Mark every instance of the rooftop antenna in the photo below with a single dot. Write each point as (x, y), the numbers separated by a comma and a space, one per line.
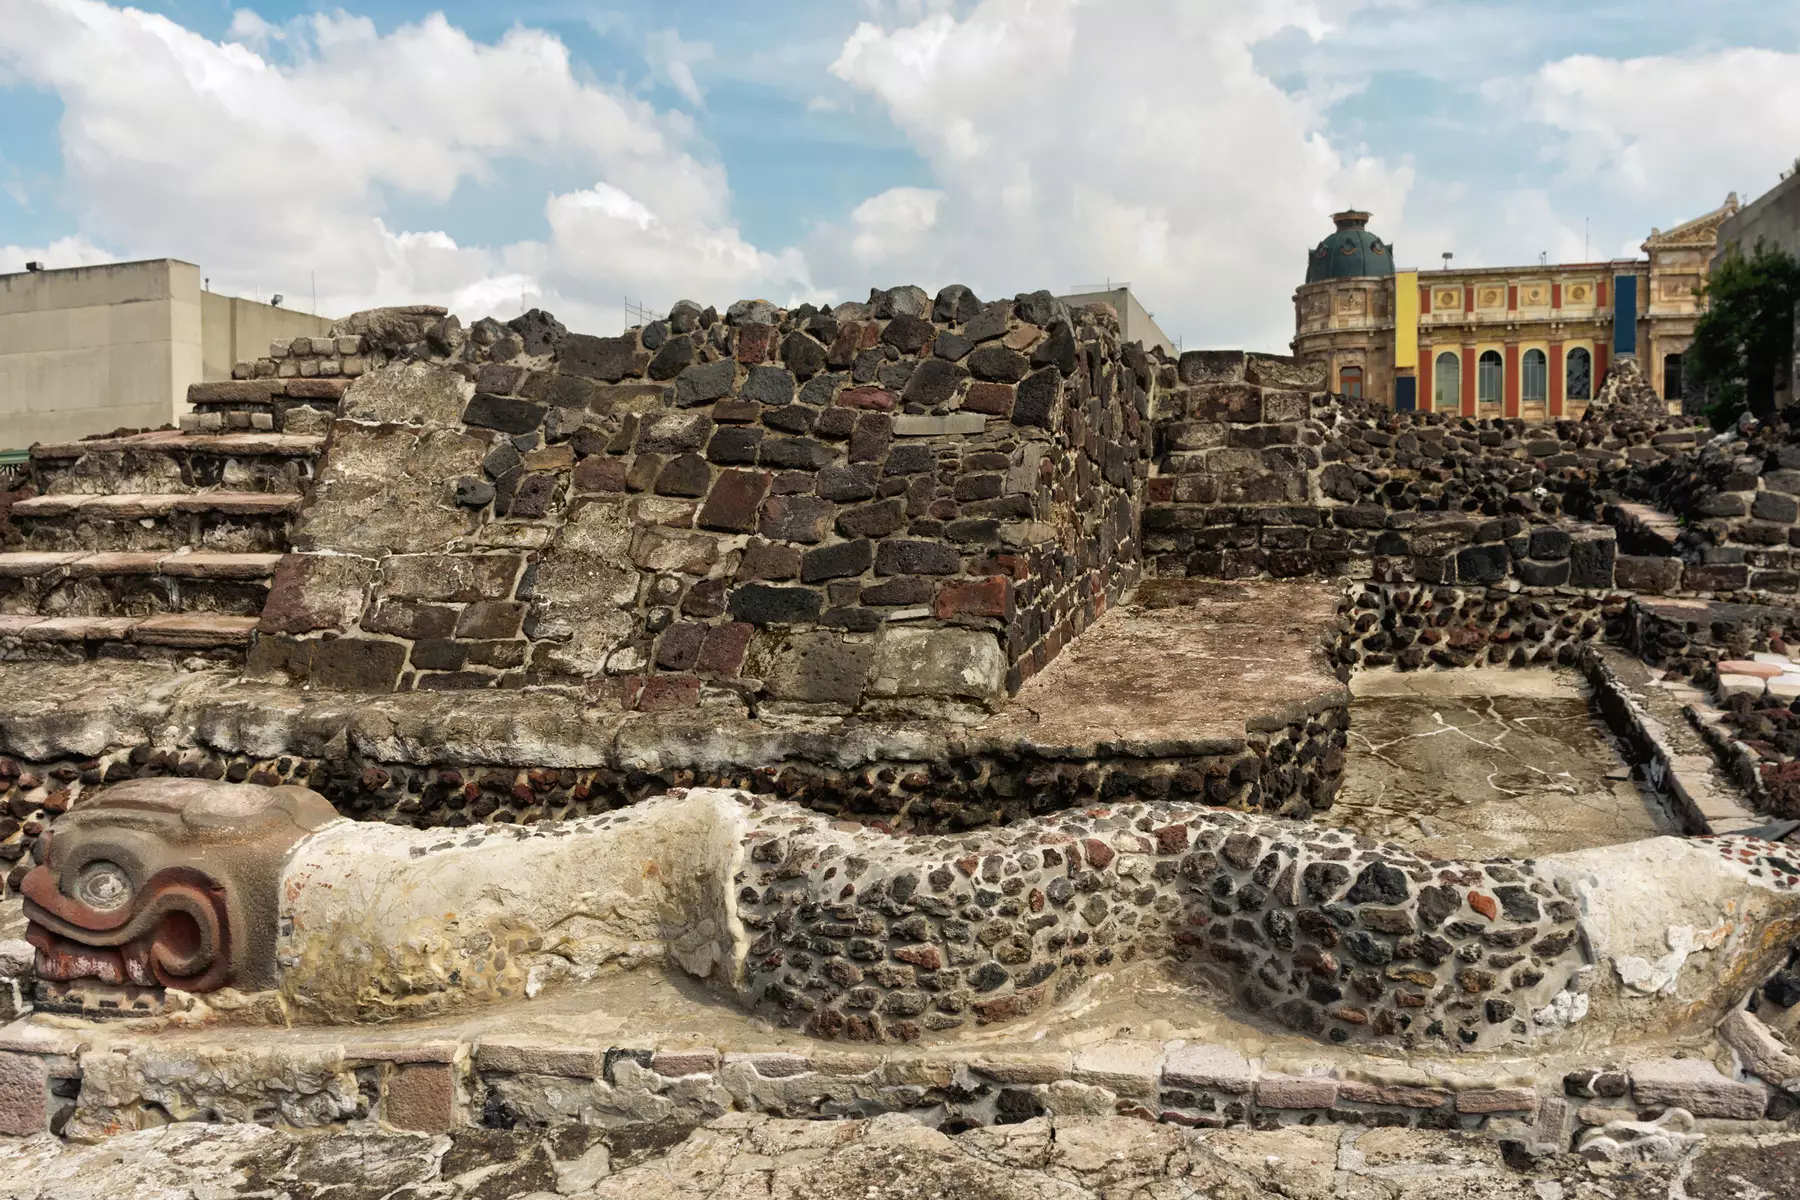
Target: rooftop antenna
(1543, 258)
(1447, 257)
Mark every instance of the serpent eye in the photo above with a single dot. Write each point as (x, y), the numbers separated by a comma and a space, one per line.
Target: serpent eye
(103, 886)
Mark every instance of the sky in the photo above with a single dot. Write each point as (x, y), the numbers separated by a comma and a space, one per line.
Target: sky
(580, 157)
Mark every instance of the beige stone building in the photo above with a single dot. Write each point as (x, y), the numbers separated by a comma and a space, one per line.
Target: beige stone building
(87, 350)
(1532, 341)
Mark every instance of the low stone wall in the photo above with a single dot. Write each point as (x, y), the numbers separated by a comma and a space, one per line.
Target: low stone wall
(904, 780)
(1261, 473)
(887, 507)
(1331, 935)
(1411, 627)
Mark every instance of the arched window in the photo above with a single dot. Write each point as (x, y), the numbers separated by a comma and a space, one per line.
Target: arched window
(1579, 373)
(1534, 378)
(1671, 377)
(1446, 382)
(1489, 375)
(1350, 381)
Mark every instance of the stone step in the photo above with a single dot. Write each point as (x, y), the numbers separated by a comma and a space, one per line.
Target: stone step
(171, 461)
(192, 631)
(132, 506)
(174, 441)
(160, 522)
(134, 584)
(184, 564)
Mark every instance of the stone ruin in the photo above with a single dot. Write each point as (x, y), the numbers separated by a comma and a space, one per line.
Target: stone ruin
(927, 706)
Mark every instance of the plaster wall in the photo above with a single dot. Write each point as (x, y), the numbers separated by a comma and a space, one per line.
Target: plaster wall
(92, 349)
(1136, 323)
(1773, 216)
(235, 330)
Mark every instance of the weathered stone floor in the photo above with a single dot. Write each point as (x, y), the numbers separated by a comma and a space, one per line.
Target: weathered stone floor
(754, 1157)
(1486, 763)
(1185, 662)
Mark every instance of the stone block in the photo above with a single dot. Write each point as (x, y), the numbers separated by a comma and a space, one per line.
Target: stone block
(356, 664)
(1697, 1086)
(1216, 1068)
(1483, 564)
(1775, 506)
(954, 424)
(505, 413)
(761, 604)
(944, 663)
(796, 519)
(841, 560)
(1533, 573)
(531, 1056)
(420, 1097)
(1296, 1091)
(734, 502)
(1211, 366)
(449, 577)
(1495, 1100)
(1647, 573)
(312, 592)
(1591, 558)
(1128, 1068)
(408, 393)
(24, 1095)
(811, 668)
(1740, 685)
(901, 556)
(678, 1063)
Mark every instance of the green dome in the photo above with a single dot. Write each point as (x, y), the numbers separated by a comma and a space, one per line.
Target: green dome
(1351, 252)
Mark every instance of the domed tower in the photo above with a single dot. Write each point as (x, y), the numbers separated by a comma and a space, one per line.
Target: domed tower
(1350, 253)
(1344, 312)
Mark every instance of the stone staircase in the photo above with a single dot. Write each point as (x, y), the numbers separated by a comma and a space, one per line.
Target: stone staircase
(163, 543)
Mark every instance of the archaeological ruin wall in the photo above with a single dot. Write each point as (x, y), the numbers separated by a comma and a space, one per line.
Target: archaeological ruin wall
(880, 508)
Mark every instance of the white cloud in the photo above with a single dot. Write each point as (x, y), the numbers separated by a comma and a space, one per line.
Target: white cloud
(63, 252)
(666, 52)
(267, 166)
(1686, 126)
(1135, 140)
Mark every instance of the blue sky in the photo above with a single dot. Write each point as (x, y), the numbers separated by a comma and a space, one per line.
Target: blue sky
(569, 154)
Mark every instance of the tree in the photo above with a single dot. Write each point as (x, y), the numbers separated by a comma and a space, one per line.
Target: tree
(1745, 338)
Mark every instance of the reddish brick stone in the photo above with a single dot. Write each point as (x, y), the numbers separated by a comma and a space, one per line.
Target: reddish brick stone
(1162, 490)
(668, 693)
(24, 1091)
(877, 399)
(1098, 853)
(756, 343)
(990, 597)
(1172, 839)
(399, 618)
(420, 1097)
(600, 473)
(1484, 905)
(993, 399)
(926, 958)
(733, 502)
(1017, 1004)
(722, 649)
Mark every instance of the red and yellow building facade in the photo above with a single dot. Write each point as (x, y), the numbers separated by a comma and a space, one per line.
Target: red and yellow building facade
(1531, 342)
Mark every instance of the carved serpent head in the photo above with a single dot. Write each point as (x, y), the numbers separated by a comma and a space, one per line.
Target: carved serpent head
(157, 883)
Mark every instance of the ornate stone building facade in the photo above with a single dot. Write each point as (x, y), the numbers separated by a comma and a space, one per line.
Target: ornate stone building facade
(1532, 342)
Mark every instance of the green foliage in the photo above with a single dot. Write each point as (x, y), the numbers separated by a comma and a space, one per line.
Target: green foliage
(1746, 334)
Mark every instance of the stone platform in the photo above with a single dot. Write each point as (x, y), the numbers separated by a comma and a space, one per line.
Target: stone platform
(1194, 694)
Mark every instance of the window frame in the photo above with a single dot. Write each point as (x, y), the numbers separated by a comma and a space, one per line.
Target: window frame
(1439, 402)
(1527, 368)
(1344, 381)
(1569, 360)
(1483, 362)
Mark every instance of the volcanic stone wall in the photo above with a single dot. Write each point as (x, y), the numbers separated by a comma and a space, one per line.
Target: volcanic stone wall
(884, 507)
(1259, 472)
(862, 936)
(1411, 626)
